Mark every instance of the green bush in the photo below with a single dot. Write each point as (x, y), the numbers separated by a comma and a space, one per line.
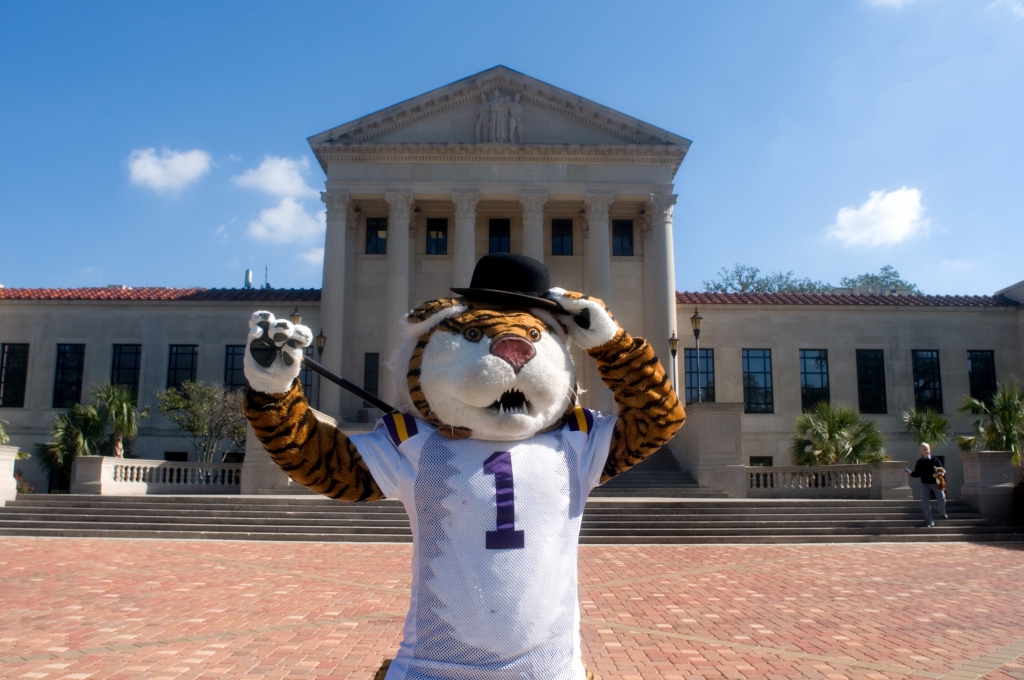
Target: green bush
(836, 435)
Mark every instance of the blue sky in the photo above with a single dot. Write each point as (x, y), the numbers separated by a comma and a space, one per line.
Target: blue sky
(829, 138)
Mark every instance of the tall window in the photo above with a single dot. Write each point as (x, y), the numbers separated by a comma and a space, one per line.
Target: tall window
(757, 381)
(561, 237)
(871, 381)
(813, 377)
(500, 236)
(981, 369)
(13, 374)
(622, 237)
(182, 364)
(376, 235)
(234, 373)
(707, 374)
(437, 236)
(927, 381)
(124, 367)
(67, 378)
(371, 373)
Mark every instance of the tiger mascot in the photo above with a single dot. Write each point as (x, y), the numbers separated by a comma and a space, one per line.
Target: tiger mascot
(491, 455)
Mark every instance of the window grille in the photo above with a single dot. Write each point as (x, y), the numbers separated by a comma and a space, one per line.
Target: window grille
(707, 374)
(871, 381)
(927, 380)
(182, 364)
(376, 235)
(13, 374)
(500, 236)
(125, 366)
(981, 369)
(561, 237)
(813, 377)
(622, 237)
(67, 378)
(437, 236)
(757, 381)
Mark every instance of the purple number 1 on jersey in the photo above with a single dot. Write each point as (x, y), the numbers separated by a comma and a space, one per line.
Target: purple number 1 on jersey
(500, 465)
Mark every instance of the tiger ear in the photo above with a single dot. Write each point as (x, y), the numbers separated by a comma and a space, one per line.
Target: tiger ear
(431, 313)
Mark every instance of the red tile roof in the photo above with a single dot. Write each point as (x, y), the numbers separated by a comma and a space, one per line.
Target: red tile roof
(165, 294)
(837, 299)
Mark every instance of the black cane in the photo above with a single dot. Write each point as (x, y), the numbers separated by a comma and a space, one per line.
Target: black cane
(345, 384)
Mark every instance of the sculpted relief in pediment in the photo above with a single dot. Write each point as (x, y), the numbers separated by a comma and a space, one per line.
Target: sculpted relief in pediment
(499, 118)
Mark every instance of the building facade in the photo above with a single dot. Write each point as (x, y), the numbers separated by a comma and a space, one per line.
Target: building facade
(500, 162)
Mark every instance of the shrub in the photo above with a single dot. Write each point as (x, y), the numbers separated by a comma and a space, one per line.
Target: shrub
(836, 435)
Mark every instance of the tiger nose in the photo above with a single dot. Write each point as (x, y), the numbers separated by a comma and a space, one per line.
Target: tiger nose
(516, 351)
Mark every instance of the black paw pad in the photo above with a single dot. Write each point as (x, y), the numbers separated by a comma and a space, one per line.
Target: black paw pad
(583, 319)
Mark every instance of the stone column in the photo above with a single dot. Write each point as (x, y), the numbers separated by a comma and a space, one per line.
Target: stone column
(533, 224)
(397, 286)
(659, 261)
(332, 298)
(464, 259)
(597, 282)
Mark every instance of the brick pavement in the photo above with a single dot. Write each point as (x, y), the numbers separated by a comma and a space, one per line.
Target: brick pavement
(89, 608)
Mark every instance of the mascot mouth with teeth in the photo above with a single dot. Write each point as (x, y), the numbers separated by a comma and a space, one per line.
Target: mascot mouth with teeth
(491, 455)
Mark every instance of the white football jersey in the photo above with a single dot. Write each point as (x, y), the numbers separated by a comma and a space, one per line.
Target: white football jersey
(495, 529)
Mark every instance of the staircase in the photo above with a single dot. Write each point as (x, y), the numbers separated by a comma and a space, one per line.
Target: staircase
(607, 520)
(658, 476)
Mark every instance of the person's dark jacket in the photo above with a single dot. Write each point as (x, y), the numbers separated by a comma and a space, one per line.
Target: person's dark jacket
(925, 469)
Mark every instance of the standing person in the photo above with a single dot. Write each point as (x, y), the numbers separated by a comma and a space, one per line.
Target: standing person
(926, 471)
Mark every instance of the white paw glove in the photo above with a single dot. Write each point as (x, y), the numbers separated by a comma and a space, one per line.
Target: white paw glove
(273, 354)
(591, 324)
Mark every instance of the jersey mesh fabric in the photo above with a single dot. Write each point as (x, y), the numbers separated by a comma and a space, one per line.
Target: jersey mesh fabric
(491, 614)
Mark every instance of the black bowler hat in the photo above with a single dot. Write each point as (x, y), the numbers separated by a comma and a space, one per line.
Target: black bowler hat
(510, 279)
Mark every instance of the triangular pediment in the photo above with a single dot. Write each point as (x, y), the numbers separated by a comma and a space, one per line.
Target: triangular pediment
(494, 106)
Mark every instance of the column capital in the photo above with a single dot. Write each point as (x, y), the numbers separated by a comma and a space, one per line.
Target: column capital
(399, 204)
(337, 203)
(465, 204)
(533, 204)
(598, 203)
(661, 206)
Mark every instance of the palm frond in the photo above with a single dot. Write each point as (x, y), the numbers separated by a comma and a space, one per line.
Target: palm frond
(835, 435)
(928, 426)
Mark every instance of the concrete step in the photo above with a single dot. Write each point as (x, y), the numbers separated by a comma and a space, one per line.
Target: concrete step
(605, 520)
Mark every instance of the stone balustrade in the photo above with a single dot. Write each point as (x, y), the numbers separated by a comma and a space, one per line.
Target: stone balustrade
(868, 481)
(108, 476)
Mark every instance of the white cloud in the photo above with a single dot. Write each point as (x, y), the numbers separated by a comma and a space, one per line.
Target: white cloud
(1016, 7)
(313, 257)
(170, 171)
(288, 221)
(957, 264)
(886, 218)
(279, 177)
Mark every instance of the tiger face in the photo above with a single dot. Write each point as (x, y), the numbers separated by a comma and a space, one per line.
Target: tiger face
(487, 372)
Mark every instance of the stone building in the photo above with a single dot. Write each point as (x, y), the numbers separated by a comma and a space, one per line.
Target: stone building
(501, 162)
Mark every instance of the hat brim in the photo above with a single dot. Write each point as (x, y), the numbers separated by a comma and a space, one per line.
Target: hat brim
(504, 297)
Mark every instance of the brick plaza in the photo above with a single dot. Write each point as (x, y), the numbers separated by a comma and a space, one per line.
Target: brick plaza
(92, 608)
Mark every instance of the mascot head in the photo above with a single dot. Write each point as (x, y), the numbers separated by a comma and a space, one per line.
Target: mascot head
(494, 363)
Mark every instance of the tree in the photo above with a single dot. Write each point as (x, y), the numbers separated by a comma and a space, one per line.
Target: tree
(116, 405)
(744, 279)
(887, 277)
(77, 431)
(3, 434)
(928, 426)
(1004, 430)
(836, 435)
(207, 415)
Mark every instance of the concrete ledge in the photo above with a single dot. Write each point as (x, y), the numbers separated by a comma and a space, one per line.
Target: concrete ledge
(988, 484)
(8, 485)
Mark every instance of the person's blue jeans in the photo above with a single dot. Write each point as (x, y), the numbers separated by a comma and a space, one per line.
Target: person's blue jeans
(926, 501)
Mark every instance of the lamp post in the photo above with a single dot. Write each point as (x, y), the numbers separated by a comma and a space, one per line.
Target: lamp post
(321, 340)
(695, 323)
(673, 345)
(295, 317)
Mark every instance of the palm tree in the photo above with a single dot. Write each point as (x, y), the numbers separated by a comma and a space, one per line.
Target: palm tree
(1004, 430)
(836, 435)
(116, 405)
(928, 426)
(76, 432)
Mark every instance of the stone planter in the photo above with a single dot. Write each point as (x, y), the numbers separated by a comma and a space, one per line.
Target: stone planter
(988, 484)
(8, 485)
